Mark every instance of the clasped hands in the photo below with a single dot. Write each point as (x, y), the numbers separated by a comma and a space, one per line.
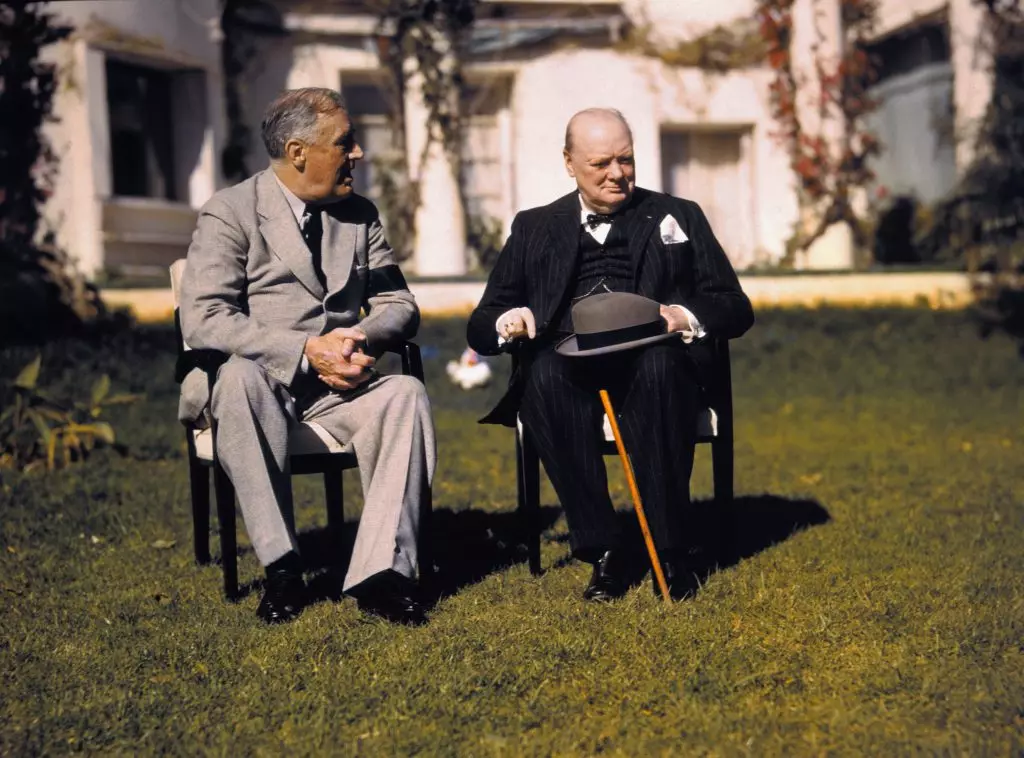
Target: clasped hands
(520, 322)
(338, 358)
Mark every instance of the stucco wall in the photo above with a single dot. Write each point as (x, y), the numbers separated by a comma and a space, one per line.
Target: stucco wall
(175, 36)
(893, 14)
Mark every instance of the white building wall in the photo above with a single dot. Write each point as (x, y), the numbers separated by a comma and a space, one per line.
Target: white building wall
(98, 229)
(285, 63)
(894, 14)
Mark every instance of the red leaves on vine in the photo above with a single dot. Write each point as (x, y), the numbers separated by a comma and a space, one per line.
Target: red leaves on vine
(840, 94)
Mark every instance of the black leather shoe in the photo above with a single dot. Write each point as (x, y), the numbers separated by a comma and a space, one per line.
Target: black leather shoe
(610, 579)
(681, 579)
(284, 595)
(390, 596)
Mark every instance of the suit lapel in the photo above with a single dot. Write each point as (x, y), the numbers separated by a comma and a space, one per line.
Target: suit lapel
(643, 220)
(279, 229)
(339, 248)
(562, 250)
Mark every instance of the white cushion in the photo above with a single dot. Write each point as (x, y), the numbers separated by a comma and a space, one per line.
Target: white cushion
(307, 438)
(707, 426)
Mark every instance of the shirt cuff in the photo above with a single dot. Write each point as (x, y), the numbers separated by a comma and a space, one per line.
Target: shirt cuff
(695, 330)
(304, 365)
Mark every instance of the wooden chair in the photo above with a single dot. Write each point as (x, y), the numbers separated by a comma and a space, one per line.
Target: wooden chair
(714, 427)
(311, 451)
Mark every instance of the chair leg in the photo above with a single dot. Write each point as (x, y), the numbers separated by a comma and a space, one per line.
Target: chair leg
(225, 492)
(722, 470)
(425, 542)
(528, 496)
(334, 491)
(199, 484)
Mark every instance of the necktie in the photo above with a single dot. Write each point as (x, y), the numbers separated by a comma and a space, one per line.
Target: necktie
(594, 220)
(313, 234)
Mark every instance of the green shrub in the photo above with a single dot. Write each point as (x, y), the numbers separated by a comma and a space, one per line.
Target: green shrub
(36, 430)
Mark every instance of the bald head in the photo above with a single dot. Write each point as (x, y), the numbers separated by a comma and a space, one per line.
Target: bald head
(592, 117)
(598, 154)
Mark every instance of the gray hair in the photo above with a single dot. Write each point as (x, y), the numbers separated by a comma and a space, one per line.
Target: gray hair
(294, 114)
(609, 112)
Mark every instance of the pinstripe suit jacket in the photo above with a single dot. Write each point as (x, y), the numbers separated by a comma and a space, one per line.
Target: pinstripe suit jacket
(537, 269)
(249, 286)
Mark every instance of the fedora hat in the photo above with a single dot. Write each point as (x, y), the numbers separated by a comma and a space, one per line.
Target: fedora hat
(614, 321)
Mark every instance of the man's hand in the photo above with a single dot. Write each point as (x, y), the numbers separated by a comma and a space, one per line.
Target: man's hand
(676, 318)
(338, 359)
(518, 322)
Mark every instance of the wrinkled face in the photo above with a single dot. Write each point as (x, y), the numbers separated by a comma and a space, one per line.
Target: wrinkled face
(601, 162)
(329, 162)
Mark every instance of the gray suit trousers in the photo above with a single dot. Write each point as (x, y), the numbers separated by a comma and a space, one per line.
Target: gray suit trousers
(386, 423)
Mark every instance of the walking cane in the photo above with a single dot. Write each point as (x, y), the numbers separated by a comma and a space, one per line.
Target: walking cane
(637, 504)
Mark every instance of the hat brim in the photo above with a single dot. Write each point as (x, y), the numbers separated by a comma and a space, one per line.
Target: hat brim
(569, 347)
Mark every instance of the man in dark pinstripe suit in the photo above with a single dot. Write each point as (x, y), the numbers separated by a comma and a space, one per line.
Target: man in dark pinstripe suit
(610, 235)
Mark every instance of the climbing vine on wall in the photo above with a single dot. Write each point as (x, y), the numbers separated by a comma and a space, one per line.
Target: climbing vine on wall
(721, 49)
(426, 39)
(245, 25)
(828, 174)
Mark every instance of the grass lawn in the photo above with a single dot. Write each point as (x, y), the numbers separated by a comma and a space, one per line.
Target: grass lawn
(878, 607)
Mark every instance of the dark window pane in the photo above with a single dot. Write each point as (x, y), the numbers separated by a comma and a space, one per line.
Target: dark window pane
(365, 99)
(141, 143)
(907, 51)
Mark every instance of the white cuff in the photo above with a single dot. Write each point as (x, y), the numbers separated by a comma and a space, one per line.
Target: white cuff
(695, 330)
(304, 365)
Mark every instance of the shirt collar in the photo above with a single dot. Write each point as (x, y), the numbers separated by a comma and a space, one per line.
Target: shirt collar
(584, 210)
(297, 205)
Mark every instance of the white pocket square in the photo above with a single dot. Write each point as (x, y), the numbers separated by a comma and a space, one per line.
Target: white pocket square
(670, 231)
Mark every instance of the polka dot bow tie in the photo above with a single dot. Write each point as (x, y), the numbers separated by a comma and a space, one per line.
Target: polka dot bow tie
(594, 220)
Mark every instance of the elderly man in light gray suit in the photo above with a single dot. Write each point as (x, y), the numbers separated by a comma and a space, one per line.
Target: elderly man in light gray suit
(279, 270)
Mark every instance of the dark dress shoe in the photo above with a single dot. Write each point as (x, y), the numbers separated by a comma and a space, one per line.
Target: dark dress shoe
(390, 596)
(610, 579)
(283, 597)
(681, 579)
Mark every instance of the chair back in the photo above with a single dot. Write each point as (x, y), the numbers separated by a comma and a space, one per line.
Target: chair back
(177, 270)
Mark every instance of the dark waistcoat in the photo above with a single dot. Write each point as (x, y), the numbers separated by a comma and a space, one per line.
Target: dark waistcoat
(599, 268)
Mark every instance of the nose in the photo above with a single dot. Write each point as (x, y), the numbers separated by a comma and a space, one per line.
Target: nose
(356, 153)
(615, 170)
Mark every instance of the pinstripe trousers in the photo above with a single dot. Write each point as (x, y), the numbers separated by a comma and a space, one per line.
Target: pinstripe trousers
(656, 398)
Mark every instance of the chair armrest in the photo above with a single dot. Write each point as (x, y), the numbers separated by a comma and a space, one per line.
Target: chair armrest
(412, 362)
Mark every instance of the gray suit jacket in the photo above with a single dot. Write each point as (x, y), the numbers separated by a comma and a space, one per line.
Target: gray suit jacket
(249, 288)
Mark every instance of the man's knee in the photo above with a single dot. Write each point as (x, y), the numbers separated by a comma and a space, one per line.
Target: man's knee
(408, 390)
(659, 363)
(240, 378)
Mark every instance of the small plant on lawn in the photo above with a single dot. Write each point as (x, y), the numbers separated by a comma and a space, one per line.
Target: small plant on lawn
(36, 430)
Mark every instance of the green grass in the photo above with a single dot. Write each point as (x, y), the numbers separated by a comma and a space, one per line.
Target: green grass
(878, 608)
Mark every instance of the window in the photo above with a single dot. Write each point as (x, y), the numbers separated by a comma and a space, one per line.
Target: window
(141, 131)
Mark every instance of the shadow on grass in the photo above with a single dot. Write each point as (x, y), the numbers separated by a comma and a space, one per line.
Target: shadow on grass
(721, 539)
(470, 545)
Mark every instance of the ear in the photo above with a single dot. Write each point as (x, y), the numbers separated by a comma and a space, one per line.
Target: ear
(568, 163)
(295, 153)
